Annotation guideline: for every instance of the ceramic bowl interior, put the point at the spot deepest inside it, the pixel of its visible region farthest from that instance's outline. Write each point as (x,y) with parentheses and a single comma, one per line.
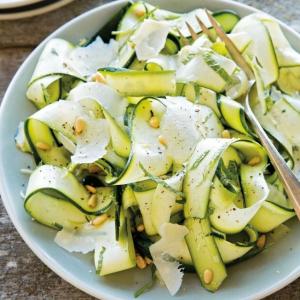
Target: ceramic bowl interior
(251,279)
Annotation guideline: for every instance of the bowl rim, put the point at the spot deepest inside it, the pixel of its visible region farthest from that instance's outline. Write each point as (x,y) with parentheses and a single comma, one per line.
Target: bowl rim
(35,248)
(16,3)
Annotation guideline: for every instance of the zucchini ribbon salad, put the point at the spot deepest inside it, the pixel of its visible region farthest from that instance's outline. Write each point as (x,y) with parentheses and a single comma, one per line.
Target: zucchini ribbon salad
(144,154)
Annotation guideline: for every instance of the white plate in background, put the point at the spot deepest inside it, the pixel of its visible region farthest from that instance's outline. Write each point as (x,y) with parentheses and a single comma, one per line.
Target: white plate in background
(36,7)
(16,3)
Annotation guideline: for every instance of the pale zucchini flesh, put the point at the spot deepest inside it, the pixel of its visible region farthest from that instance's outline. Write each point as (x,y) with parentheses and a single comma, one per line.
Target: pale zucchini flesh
(136,83)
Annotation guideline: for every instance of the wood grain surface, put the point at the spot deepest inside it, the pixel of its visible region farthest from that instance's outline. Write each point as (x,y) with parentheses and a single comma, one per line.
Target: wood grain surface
(23,275)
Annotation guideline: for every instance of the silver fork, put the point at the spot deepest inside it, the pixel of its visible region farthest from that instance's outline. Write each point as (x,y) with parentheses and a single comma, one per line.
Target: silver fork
(289,180)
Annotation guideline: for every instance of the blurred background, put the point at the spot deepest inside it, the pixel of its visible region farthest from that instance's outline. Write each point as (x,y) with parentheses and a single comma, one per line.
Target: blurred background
(23,275)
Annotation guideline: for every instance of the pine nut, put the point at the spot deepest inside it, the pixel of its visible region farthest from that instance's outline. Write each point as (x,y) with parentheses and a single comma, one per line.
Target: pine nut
(98,77)
(94,169)
(92,202)
(140,228)
(91,189)
(162,140)
(154,122)
(226,134)
(139,12)
(79,125)
(131,44)
(42,146)
(99,220)
(208,276)
(140,262)
(148,260)
(261,241)
(254,161)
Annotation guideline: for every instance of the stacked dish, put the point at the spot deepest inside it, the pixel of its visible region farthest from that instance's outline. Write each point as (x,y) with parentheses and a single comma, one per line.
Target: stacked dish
(17,9)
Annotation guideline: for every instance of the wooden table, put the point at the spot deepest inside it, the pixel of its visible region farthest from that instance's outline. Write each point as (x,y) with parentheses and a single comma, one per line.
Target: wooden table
(23,275)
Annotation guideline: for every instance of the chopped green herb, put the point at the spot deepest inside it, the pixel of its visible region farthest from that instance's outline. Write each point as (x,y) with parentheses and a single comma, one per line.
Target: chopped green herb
(198,160)
(148,285)
(161,182)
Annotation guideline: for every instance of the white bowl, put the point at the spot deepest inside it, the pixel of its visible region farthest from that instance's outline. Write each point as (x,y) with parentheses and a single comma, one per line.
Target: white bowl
(252,279)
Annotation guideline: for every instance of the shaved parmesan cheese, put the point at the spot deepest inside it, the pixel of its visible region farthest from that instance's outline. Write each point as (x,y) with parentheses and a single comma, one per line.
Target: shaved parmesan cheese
(187,53)
(240,88)
(91,143)
(197,70)
(110,255)
(52,59)
(184,124)
(190,17)
(150,38)
(106,96)
(240,39)
(227,64)
(82,240)
(87,60)
(206,67)
(202,42)
(190,50)
(163,253)
(164,200)
(178,127)
(208,123)
(170,272)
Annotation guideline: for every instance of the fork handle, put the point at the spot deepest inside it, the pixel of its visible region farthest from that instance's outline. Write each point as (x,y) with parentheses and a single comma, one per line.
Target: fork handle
(288,178)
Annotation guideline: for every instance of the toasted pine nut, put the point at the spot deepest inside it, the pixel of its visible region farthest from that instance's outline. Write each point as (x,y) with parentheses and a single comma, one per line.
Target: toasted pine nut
(94,169)
(131,44)
(208,276)
(162,140)
(92,202)
(79,125)
(91,189)
(226,134)
(98,77)
(140,262)
(139,12)
(42,146)
(140,228)
(154,122)
(261,241)
(148,260)
(99,220)
(254,161)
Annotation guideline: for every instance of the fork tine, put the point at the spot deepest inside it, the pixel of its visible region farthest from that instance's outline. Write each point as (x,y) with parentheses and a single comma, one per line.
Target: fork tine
(192,31)
(232,49)
(185,41)
(205,29)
